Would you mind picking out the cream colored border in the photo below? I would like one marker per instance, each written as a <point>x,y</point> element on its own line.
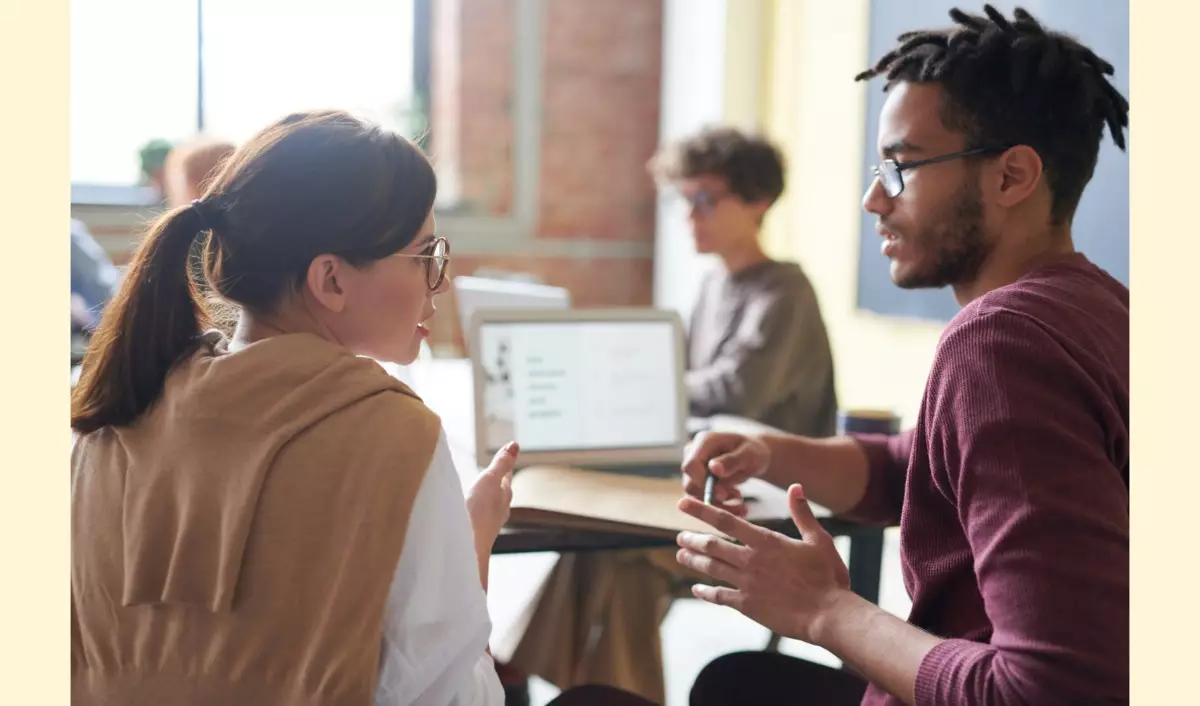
<point>34,507</point>
<point>34,296</point>
<point>1166,386</point>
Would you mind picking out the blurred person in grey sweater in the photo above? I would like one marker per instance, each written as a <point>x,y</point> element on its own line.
<point>757,342</point>
<point>757,348</point>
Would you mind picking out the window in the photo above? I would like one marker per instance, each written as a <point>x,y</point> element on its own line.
<point>143,70</point>
<point>133,79</point>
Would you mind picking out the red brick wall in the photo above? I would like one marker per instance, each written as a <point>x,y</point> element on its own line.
<point>472,84</point>
<point>601,72</point>
<point>600,111</point>
<point>599,115</point>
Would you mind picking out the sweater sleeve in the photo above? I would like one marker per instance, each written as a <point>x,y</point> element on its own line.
<point>1016,442</point>
<point>767,347</point>
<point>436,625</point>
<point>887,473</point>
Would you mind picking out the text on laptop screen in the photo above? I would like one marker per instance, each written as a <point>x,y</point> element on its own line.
<point>564,386</point>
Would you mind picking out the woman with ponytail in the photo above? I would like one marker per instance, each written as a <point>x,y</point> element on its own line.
<point>262,515</point>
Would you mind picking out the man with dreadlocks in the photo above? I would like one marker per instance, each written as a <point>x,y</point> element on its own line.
<point>1012,490</point>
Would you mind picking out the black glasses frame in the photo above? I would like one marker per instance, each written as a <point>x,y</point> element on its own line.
<point>890,172</point>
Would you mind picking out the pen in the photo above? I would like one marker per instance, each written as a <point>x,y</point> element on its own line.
<point>710,482</point>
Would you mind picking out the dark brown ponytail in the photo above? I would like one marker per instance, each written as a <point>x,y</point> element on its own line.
<point>315,183</point>
<point>153,321</point>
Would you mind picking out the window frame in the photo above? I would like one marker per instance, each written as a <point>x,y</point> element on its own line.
<point>481,234</point>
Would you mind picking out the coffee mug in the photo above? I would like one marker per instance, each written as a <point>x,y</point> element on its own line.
<point>868,421</point>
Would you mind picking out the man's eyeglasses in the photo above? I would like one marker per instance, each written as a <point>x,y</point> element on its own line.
<point>702,202</point>
<point>890,172</point>
<point>437,261</point>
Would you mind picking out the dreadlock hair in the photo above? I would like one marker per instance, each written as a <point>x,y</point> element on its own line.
<point>1016,83</point>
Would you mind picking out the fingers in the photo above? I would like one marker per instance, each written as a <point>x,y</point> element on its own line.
<point>707,565</point>
<point>704,448</point>
<point>737,465</point>
<point>728,499</point>
<point>504,460</point>
<point>718,595</point>
<point>695,463</point>
<point>715,547</point>
<point>806,522</point>
<point>735,506</point>
<point>730,457</point>
<point>723,521</point>
<point>726,496</point>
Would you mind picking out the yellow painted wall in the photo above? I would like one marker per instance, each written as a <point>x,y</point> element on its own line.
<point>815,109</point>
<point>746,55</point>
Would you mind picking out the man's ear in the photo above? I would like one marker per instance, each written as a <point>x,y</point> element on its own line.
<point>760,208</point>
<point>323,283</point>
<point>1020,173</point>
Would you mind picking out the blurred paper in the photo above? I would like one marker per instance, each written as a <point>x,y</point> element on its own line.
<point>601,501</point>
<point>611,502</point>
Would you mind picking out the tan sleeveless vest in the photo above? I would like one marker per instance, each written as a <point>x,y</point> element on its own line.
<point>236,545</point>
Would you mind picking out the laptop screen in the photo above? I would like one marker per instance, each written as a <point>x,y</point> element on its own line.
<point>561,386</point>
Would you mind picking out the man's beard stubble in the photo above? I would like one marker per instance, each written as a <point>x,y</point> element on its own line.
<point>957,248</point>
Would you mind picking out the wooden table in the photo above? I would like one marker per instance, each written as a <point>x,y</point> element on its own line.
<point>446,386</point>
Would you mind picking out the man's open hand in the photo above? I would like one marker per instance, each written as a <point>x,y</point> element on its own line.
<point>784,584</point>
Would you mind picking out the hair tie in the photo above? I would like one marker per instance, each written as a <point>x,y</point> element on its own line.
<point>206,222</point>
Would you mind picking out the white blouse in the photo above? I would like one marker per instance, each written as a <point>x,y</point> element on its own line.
<point>436,624</point>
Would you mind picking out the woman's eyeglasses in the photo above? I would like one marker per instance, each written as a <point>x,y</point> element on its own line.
<point>889,171</point>
<point>437,260</point>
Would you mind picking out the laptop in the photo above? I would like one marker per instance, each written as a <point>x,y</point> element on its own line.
<point>478,293</point>
<point>597,389</point>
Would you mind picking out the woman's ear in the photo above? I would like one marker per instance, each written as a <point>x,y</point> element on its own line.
<point>323,283</point>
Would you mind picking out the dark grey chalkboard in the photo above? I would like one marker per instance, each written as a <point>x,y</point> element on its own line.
<point>1101,226</point>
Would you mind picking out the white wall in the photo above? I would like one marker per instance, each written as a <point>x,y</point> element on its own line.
<point>693,74</point>
<point>713,53</point>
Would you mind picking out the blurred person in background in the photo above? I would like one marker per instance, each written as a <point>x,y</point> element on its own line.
<point>757,344</point>
<point>94,278</point>
<point>190,166</point>
<point>757,348</point>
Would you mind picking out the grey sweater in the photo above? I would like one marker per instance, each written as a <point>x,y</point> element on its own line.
<point>758,349</point>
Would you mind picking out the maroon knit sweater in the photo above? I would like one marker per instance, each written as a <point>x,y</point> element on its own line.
<point>1012,495</point>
